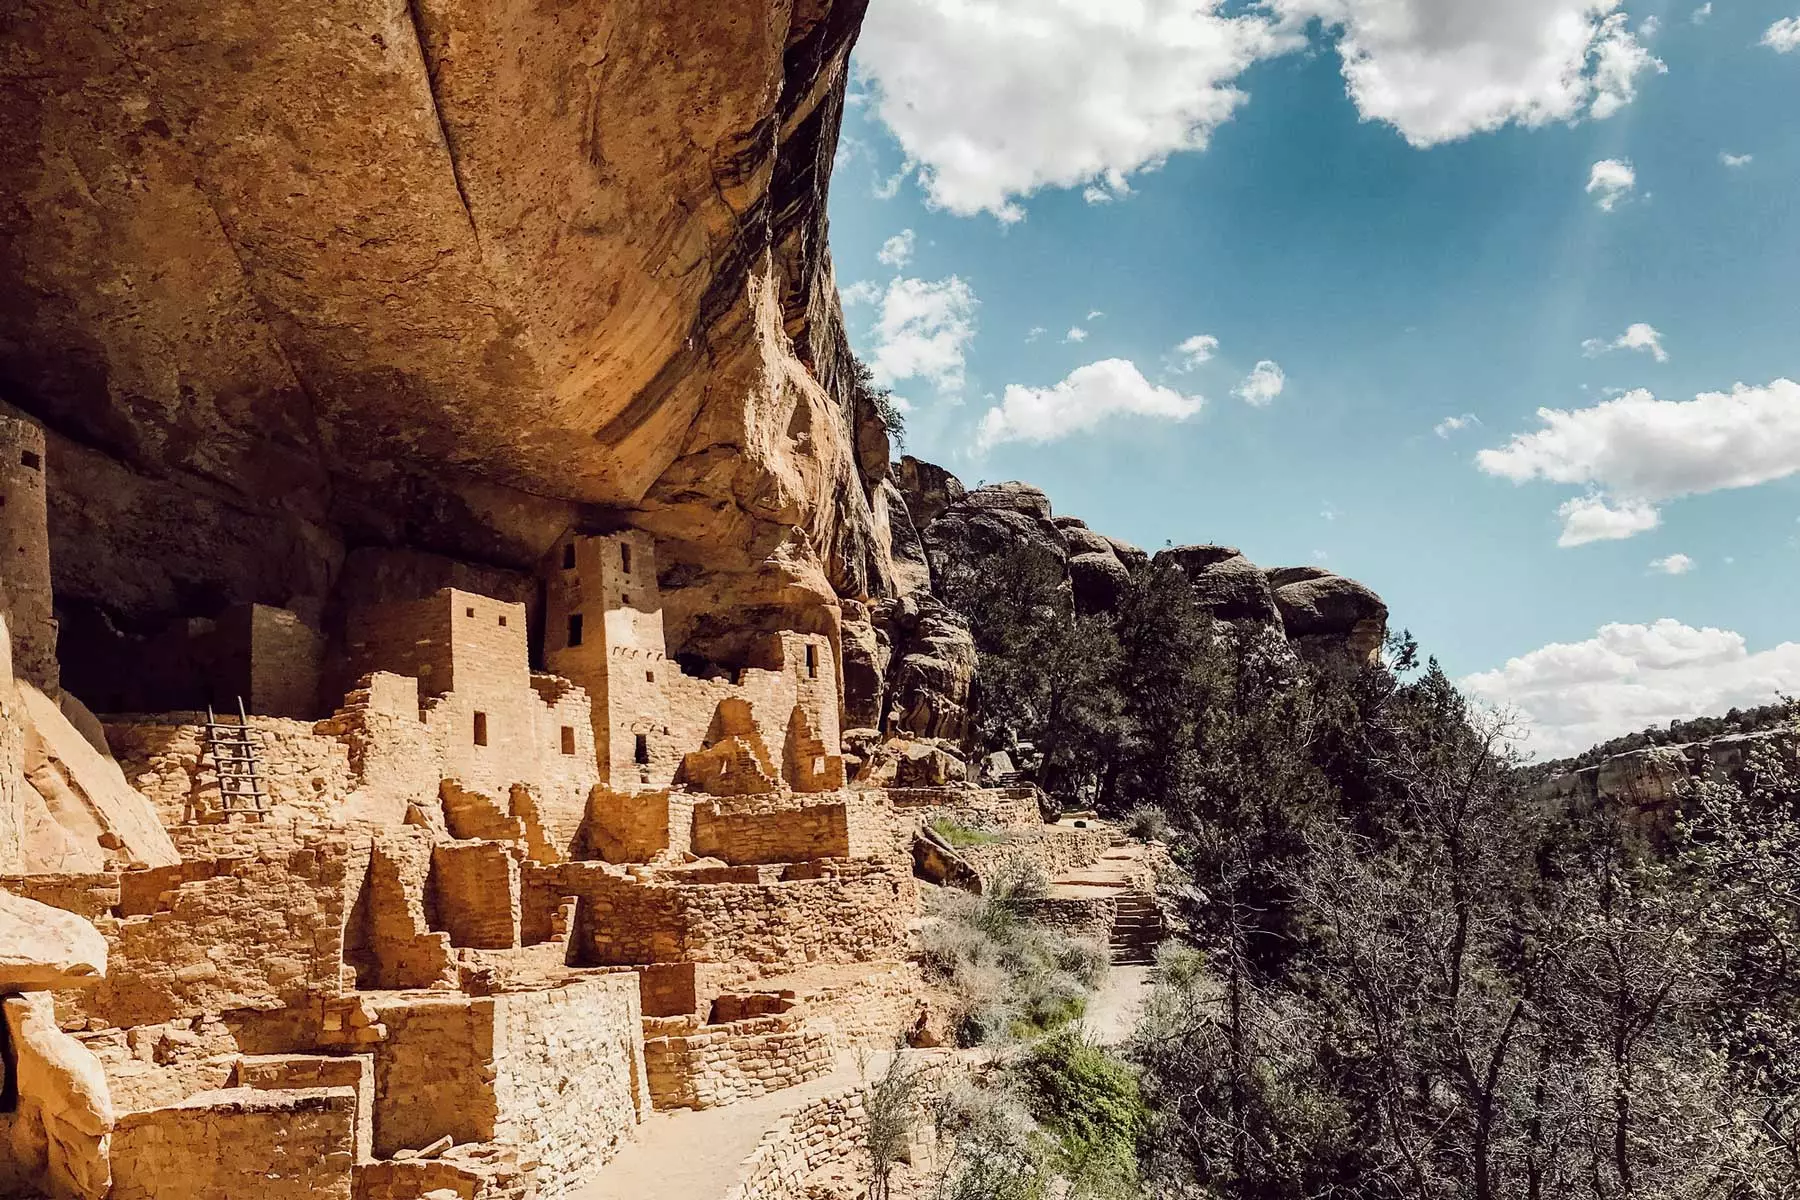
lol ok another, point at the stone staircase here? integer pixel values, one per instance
(1137, 929)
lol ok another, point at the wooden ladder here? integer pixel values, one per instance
(235, 768)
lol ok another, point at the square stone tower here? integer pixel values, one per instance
(603, 630)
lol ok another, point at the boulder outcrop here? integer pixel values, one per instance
(46, 949)
(1327, 616)
(1226, 584)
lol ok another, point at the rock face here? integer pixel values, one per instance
(1644, 786)
(1328, 616)
(44, 948)
(285, 282)
(65, 1118)
(1325, 617)
(1226, 584)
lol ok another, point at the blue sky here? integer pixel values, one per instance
(1409, 211)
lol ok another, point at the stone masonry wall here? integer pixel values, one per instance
(830, 1129)
(242, 1142)
(712, 1065)
(570, 1079)
(833, 912)
(793, 835)
(260, 931)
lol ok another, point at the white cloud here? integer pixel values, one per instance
(1450, 425)
(1076, 334)
(1089, 396)
(993, 100)
(923, 332)
(865, 291)
(1611, 180)
(1635, 451)
(1440, 70)
(1262, 385)
(1783, 35)
(996, 99)
(897, 251)
(1700, 14)
(1035, 332)
(1094, 314)
(1628, 677)
(1637, 336)
(1195, 350)
(1736, 160)
(1673, 564)
(1593, 519)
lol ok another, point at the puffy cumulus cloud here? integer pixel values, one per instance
(1593, 519)
(1089, 397)
(1265, 382)
(1735, 160)
(897, 251)
(923, 331)
(1628, 677)
(1439, 70)
(1076, 334)
(1450, 425)
(1673, 564)
(1637, 336)
(995, 99)
(1635, 451)
(1783, 36)
(864, 291)
(1195, 350)
(1609, 181)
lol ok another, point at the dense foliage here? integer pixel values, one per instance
(1406, 979)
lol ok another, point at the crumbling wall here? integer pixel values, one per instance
(434, 1073)
(638, 827)
(558, 1071)
(837, 912)
(306, 771)
(261, 931)
(475, 893)
(298, 1144)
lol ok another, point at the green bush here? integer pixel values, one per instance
(1089, 1103)
(1012, 977)
(958, 835)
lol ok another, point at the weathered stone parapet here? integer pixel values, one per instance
(692, 1065)
(828, 911)
(296, 1144)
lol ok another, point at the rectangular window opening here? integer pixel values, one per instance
(503, 622)
(641, 751)
(30, 458)
(649, 676)
(574, 629)
(569, 557)
(625, 558)
(468, 612)
(481, 729)
(568, 739)
(625, 599)
(812, 662)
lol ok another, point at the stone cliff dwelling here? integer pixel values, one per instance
(482, 919)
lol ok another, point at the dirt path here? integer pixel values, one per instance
(1113, 1012)
(686, 1155)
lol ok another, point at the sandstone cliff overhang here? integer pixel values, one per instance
(283, 281)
